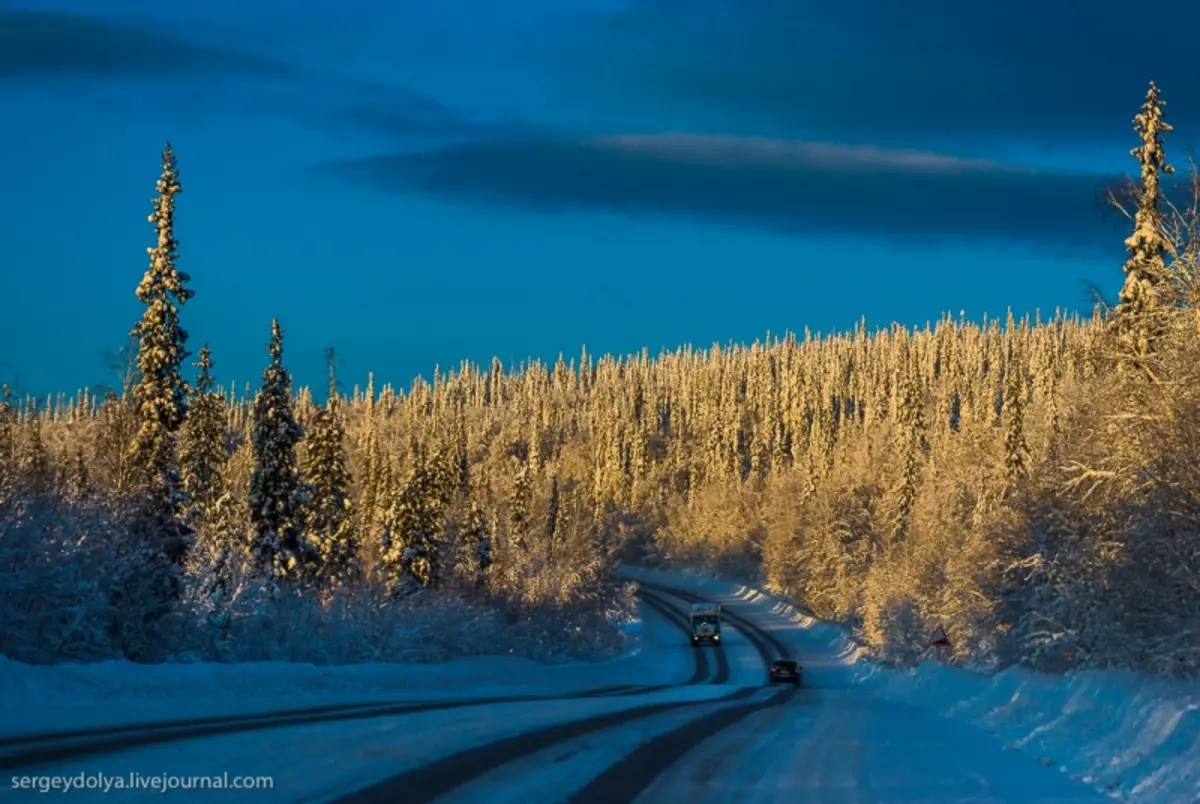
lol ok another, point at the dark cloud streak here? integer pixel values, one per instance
(46, 44)
(1059, 212)
(92, 52)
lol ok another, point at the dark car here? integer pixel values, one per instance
(785, 671)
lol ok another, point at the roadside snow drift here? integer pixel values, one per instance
(37, 698)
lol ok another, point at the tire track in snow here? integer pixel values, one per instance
(625, 779)
(66, 745)
(63, 746)
(440, 777)
(768, 646)
(444, 775)
(677, 619)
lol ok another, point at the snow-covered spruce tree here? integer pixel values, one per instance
(411, 541)
(277, 495)
(160, 397)
(388, 533)
(462, 458)
(1016, 449)
(444, 475)
(203, 451)
(370, 472)
(8, 443)
(476, 545)
(1142, 297)
(519, 506)
(219, 567)
(421, 521)
(328, 518)
(910, 417)
(79, 481)
(552, 520)
(34, 461)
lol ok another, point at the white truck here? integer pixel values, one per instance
(706, 623)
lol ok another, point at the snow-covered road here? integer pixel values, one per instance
(707, 731)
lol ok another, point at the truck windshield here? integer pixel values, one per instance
(710, 619)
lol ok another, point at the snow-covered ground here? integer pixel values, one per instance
(47, 698)
(320, 761)
(853, 733)
(1134, 737)
(317, 761)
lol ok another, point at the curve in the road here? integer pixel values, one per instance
(622, 780)
(437, 778)
(680, 621)
(768, 646)
(633, 773)
(429, 782)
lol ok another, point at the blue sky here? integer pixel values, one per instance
(420, 183)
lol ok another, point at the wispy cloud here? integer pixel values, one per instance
(38, 44)
(404, 115)
(124, 64)
(785, 186)
(771, 152)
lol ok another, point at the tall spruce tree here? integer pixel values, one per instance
(914, 443)
(160, 396)
(8, 442)
(519, 505)
(202, 450)
(411, 541)
(36, 466)
(476, 545)
(552, 520)
(1016, 449)
(1141, 300)
(329, 521)
(277, 495)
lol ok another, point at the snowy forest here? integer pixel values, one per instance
(1030, 486)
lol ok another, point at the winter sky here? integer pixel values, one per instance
(417, 183)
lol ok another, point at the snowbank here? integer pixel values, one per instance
(48, 697)
(1132, 736)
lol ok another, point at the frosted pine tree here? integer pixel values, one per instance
(160, 396)
(80, 477)
(1016, 450)
(277, 496)
(444, 476)
(203, 451)
(552, 519)
(477, 545)
(34, 462)
(1141, 299)
(329, 521)
(914, 444)
(462, 458)
(8, 443)
(388, 533)
(421, 521)
(519, 506)
(411, 541)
